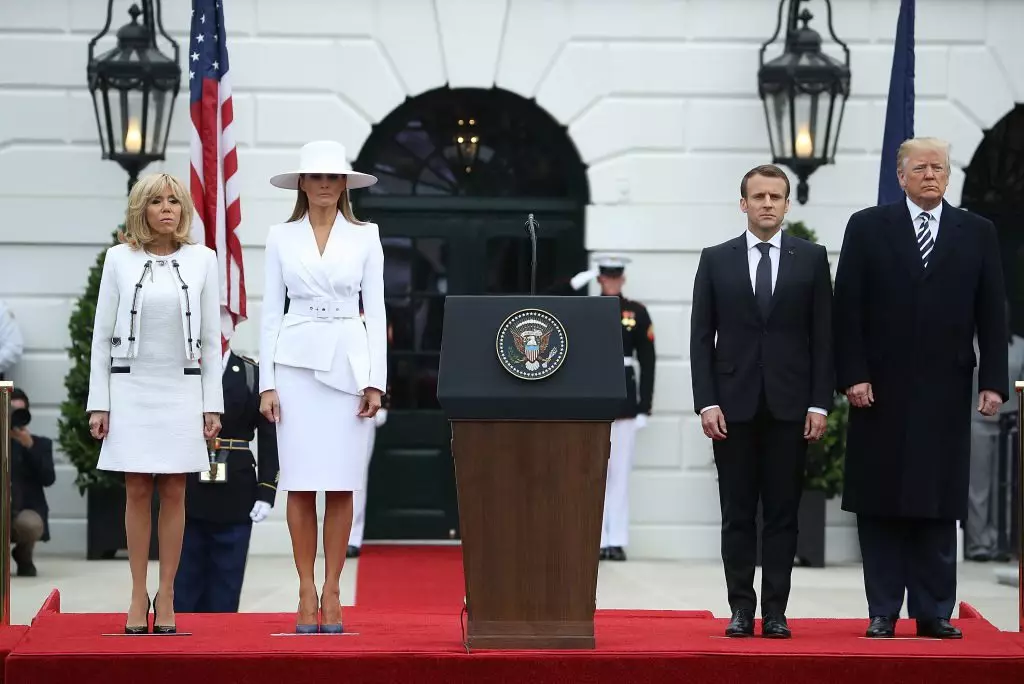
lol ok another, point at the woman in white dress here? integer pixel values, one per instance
(322, 369)
(150, 400)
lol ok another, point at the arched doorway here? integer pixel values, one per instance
(459, 172)
(994, 188)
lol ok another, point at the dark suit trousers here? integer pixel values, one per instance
(760, 459)
(212, 567)
(911, 555)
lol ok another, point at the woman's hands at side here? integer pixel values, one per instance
(211, 425)
(270, 407)
(99, 424)
(369, 404)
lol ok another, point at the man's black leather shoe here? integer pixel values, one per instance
(742, 624)
(775, 627)
(604, 553)
(882, 627)
(938, 628)
(616, 553)
(352, 551)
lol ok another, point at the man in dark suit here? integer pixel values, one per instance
(222, 504)
(916, 279)
(762, 390)
(31, 470)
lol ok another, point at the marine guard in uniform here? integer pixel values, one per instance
(637, 347)
(222, 504)
(355, 537)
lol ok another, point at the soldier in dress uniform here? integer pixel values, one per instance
(355, 537)
(638, 347)
(222, 504)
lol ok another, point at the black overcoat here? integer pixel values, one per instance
(909, 331)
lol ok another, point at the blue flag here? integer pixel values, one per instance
(899, 109)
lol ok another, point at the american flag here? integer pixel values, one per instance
(214, 158)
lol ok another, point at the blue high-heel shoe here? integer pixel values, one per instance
(305, 629)
(330, 628)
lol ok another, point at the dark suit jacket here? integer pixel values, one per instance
(910, 333)
(789, 354)
(31, 471)
(231, 502)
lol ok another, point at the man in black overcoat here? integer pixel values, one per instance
(761, 365)
(916, 279)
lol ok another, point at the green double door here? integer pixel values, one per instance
(427, 256)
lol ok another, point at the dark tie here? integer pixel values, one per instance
(924, 237)
(763, 280)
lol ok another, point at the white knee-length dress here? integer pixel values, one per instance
(322, 354)
(156, 397)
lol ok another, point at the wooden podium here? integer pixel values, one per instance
(531, 440)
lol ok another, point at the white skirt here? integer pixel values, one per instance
(321, 442)
(156, 422)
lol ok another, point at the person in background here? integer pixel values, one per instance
(355, 537)
(222, 503)
(31, 471)
(638, 340)
(11, 343)
(981, 529)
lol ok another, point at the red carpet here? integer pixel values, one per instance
(405, 627)
(632, 646)
(412, 579)
(10, 636)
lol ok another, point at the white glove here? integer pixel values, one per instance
(259, 511)
(581, 279)
(380, 417)
(641, 421)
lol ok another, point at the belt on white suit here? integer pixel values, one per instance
(324, 308)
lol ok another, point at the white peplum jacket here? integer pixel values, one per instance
(323, 330)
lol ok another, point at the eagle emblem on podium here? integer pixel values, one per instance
(531, 344)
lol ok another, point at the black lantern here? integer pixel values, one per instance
(133, 89)
(804, 93)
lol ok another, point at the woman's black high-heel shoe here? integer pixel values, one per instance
(140, 629)
(161, 629)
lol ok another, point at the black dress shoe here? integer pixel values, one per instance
(742, 624)
(604, 553)
(352, 552)
(882, 627)
(616, 553)
(938, 628)
(775, 627)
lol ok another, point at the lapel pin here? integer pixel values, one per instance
(235, 368)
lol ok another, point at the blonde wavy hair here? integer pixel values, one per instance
(137, 231)
(344, 206)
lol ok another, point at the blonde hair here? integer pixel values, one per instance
(137, 231)
(344, 206)
(911, 145)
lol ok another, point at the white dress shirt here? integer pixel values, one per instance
(933, 222)
(753, 259)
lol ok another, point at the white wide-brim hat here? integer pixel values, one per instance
(323, 156)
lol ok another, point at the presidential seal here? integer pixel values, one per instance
(531, 344)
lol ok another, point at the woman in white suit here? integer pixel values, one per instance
(322, 369)
(151, 401)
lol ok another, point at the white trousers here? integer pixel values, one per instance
(355, 537)
(615, 528)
